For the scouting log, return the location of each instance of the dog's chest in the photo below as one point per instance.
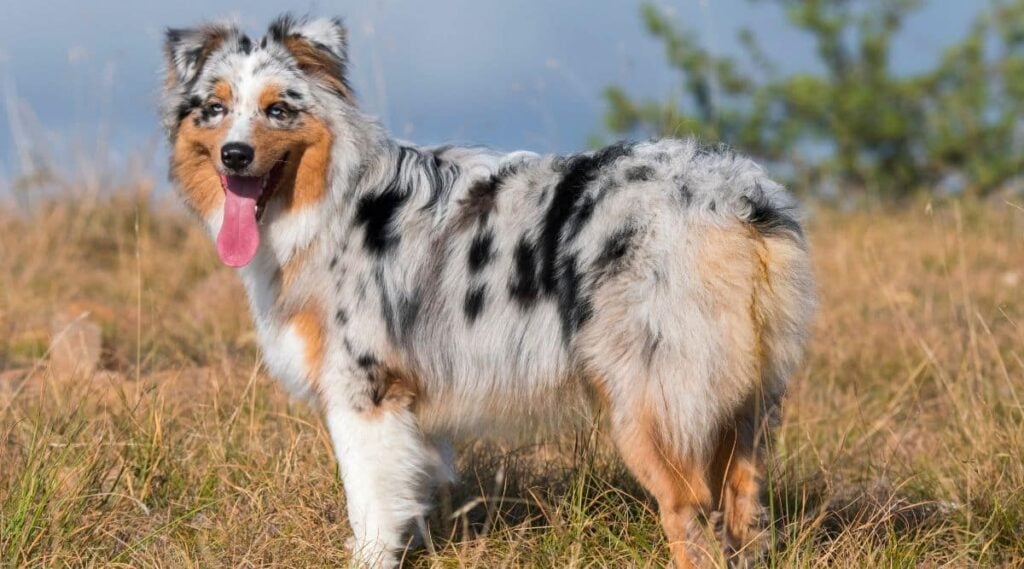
(284, 336)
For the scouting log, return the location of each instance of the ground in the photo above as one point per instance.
(901, 444)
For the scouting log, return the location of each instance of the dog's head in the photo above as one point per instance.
(248, 122)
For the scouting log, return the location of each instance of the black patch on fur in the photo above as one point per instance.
(523, 286)
(768, 219)
(579, 172)
(281, 27)
(375, 213)
(480, 251)
(367, 361)
(640, 174)
(184, 108)
(341, 316)
(481, 199)
(399, 314)
(441, 175)
(245, 45)
(580, 219)
(293, 94)
(574, 305)
(333, 263)
(615, 247)
(474, 303)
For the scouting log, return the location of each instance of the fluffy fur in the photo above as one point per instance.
(422, 294)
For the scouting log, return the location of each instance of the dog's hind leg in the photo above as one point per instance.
(386, 466)
(677, 482)
(736, 484)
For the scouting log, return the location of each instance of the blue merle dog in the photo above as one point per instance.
(422, 294)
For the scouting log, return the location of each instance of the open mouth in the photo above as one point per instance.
(245, 200)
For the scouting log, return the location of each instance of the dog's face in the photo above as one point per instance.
(247, 122)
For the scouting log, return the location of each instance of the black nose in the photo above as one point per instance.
(236, 155)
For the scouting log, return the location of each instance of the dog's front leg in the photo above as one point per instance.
(385, 466)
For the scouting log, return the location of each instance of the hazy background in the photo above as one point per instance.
(524, 74)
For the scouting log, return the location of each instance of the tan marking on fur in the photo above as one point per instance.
(317, 64)
(222, 91)
(193, 164)
(308, 325)
(677, 483)
(304, 181)
(760, 291)
(270, 94)
(736, 487)
(742, 502)
(398, 389)
(728, 266)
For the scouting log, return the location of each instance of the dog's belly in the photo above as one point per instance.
(464, 411)
(511, 382)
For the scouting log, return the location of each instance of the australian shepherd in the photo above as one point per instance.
(419, 294)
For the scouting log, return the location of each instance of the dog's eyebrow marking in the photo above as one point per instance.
(476, 297)
(293, 94)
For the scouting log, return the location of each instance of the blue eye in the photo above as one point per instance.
(215, 109)
(278, 111)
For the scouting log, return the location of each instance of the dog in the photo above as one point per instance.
(419, 295)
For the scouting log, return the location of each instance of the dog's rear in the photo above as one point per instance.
(692, 345)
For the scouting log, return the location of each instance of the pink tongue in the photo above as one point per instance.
(239, 235)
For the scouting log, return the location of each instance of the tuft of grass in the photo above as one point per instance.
(901, 444)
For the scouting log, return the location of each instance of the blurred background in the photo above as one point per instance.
(137, 428)
(844, 98)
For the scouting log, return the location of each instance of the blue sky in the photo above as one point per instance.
(508, 74)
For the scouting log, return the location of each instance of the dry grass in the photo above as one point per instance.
(902, 442)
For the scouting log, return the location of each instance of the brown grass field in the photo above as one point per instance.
(902, 443)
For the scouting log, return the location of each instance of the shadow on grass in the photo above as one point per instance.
(581, 495)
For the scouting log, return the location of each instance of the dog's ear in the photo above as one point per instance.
(186, 50)
(320, 49)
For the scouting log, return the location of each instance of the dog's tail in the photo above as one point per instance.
(783, 296)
